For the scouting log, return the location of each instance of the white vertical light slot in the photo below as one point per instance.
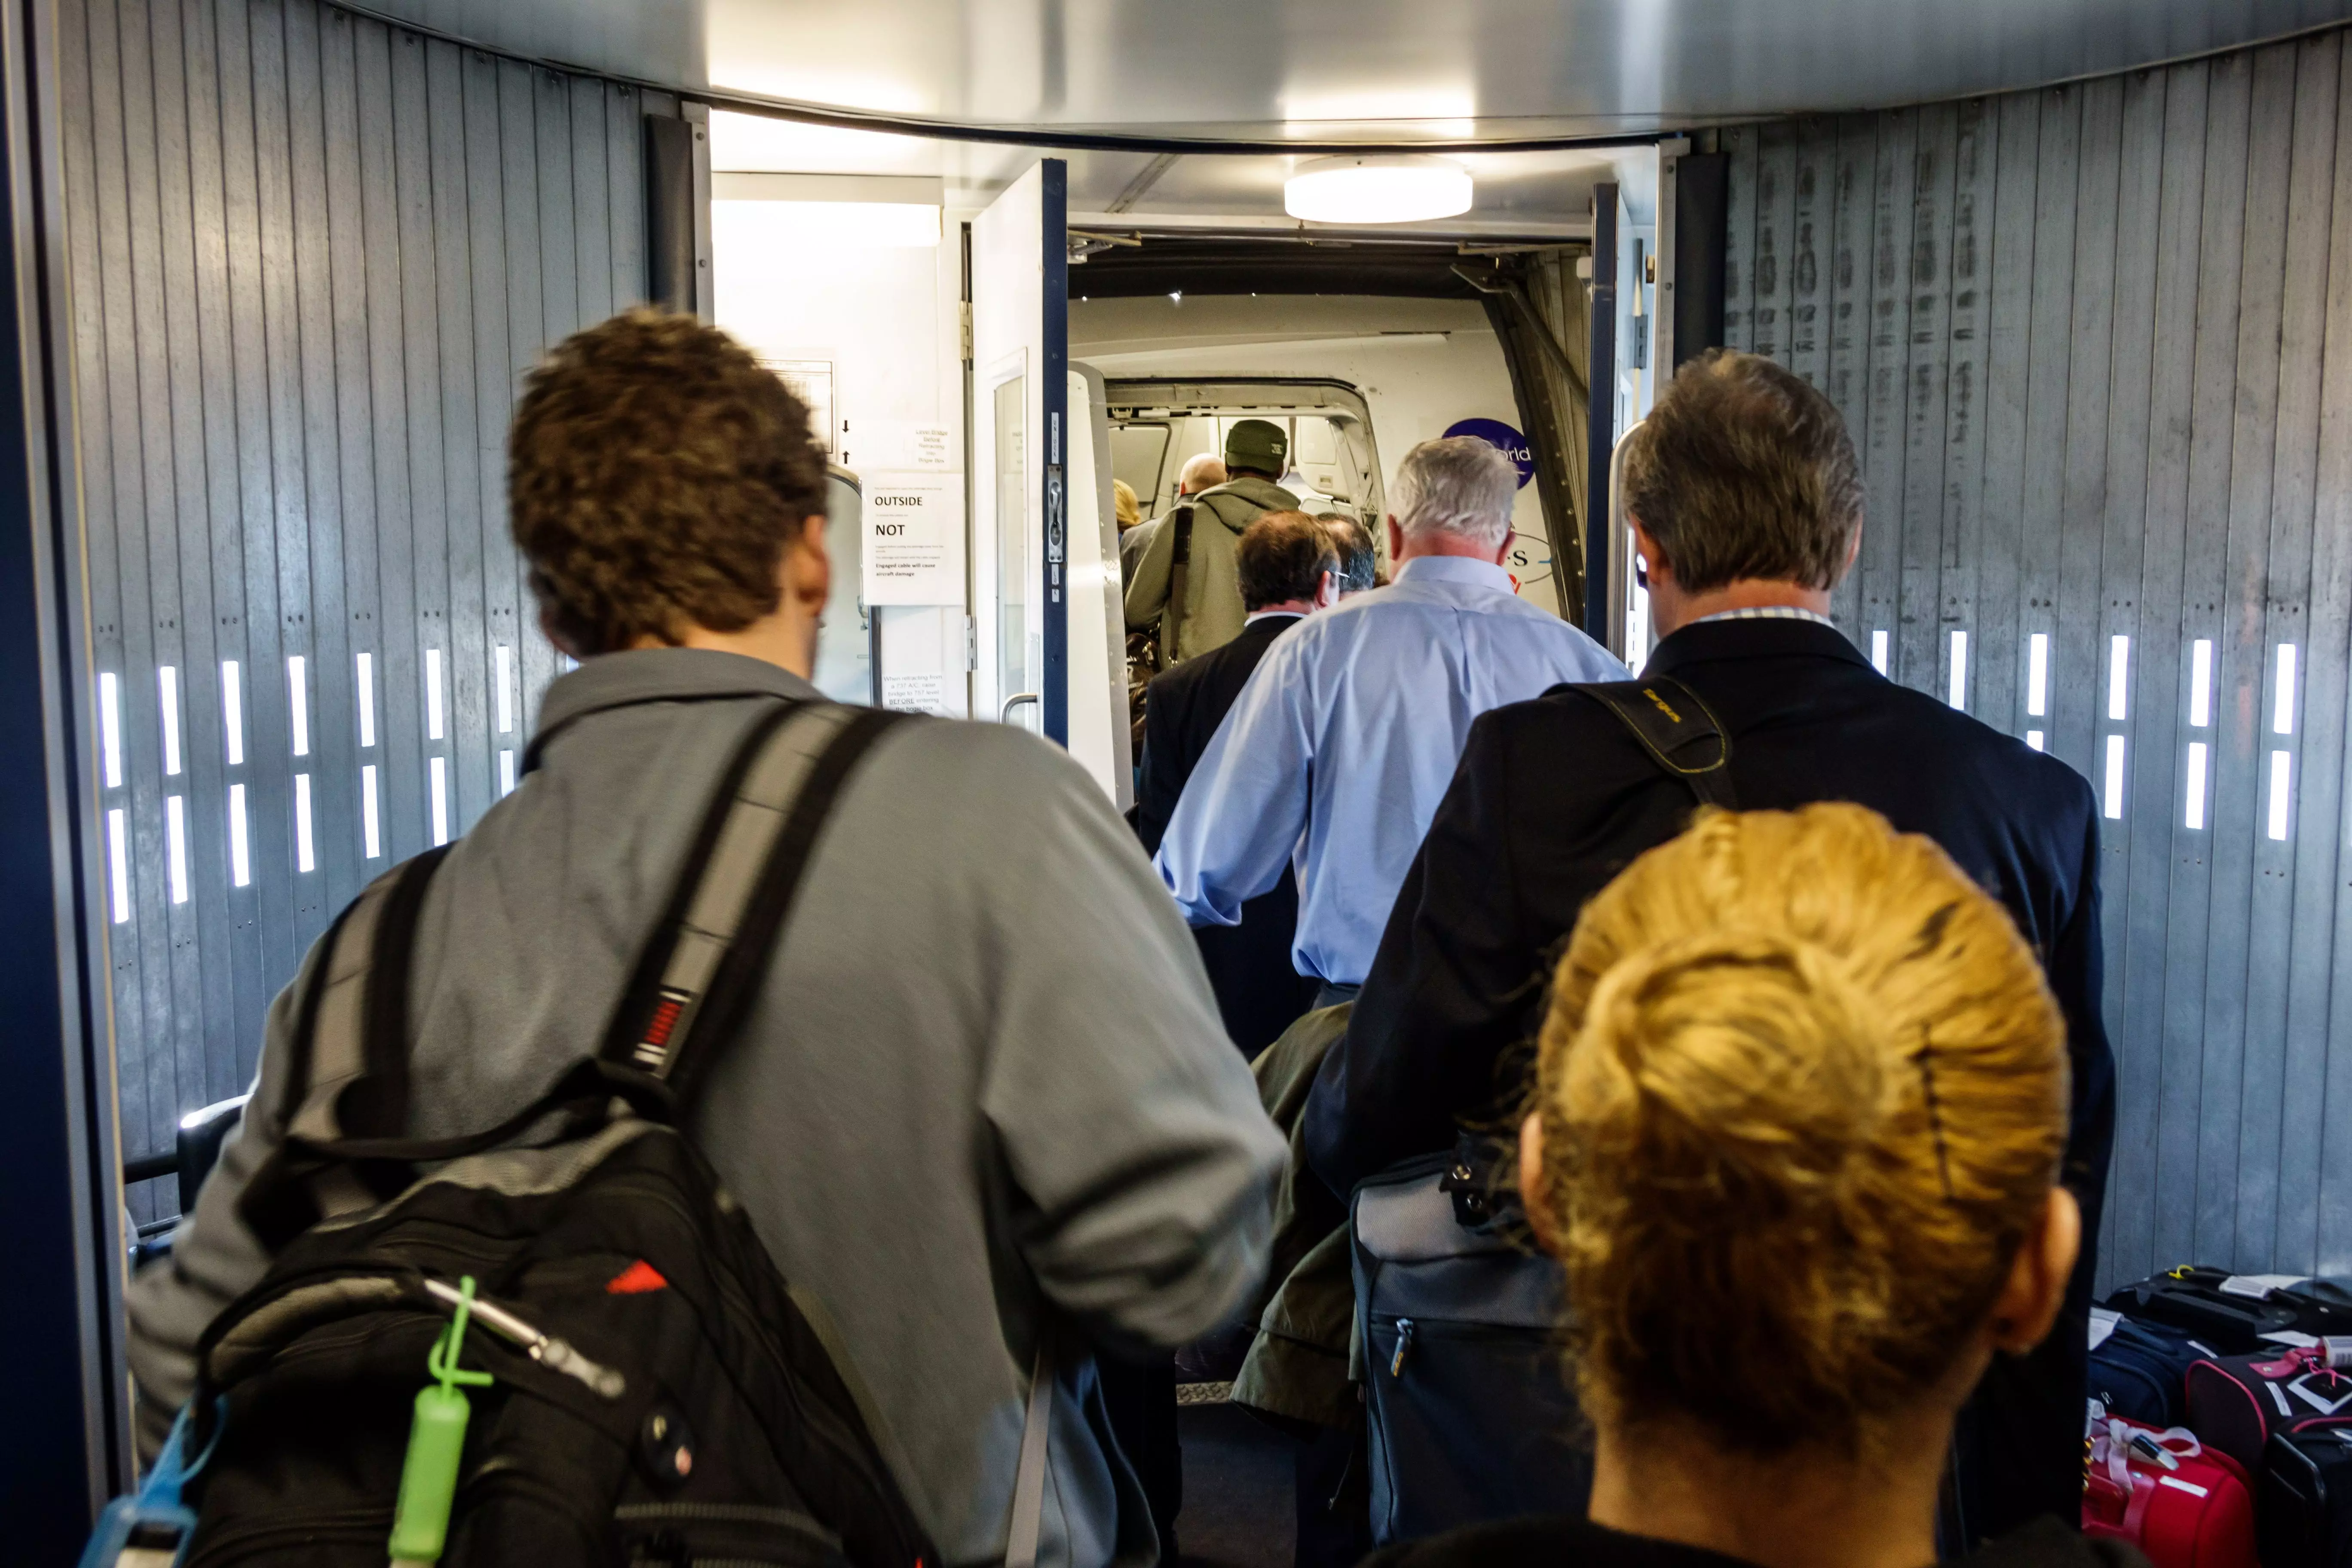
(2282, 703)
(305, 858)
(232, 712)
(110, 729)
(167, 680)
(119, 866)
(440, 801)
(240, 849)
(432, 693)
(1878, 651)
(2037, 675)
(2118, 676)
(2200, 683)
(371, 825)
(505, 773)
(2280, 776)
(367, 700)
(2033, 738)
(176, 843)
(298, 694)
(2194, 815)
(506, 689)
(1959, 693)
(2115, 802)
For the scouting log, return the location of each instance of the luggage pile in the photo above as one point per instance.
(2220, 1423)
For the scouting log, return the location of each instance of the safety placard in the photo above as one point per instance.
(914, 538)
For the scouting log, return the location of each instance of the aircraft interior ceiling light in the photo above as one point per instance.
(1390, 188)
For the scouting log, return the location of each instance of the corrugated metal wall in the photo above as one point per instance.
(2096, 346)
(310, 257)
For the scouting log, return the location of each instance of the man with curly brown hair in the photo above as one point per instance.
(983, 1090)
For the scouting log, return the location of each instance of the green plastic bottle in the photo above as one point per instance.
(436, 1443)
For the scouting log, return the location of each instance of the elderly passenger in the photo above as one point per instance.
(1342, 743)
(1202, 472)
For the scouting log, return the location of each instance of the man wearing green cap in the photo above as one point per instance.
(1187, 579)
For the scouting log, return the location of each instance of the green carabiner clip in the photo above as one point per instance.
(436, 1442)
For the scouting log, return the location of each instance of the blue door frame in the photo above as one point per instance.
(61, 1445)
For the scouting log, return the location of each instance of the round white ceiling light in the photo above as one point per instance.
(1377, 188)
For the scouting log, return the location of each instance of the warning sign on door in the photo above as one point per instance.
(914, 539)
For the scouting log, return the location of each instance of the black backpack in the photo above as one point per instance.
(657, 1392)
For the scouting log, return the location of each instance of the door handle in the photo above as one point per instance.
(1004, 715)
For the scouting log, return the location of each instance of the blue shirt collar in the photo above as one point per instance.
(1455, 569)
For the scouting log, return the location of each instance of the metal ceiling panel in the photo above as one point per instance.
(1373, 68)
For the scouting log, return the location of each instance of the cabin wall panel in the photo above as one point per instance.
(1974, 151)
(2094, 347)
(1926, 360)
(311, 256)
(2332, 607)
(2147, 912)
(1852, 210)
(2307, 900)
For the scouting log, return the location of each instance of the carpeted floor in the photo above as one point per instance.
(1238, 1507)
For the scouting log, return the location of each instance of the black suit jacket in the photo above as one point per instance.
(1553, 798)
(1259, 991)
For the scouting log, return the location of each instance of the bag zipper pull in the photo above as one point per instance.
(437, 1441)
(554, 1353)
(1404, 1344)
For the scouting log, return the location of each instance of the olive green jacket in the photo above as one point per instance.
(1297, 1367)
(1212, 613)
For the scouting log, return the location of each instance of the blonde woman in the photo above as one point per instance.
(1795, 1139)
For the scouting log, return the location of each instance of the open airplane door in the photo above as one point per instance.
(1038, 516)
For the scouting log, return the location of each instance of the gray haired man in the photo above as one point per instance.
(1340, 748)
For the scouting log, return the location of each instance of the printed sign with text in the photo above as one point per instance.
(914, 538)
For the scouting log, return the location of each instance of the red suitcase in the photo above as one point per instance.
(2182, 1504)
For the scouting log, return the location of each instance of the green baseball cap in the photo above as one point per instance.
(1257, 444)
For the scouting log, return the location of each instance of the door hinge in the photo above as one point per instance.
(970, 645)
(963, 311)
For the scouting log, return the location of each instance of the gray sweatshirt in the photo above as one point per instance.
(986, 1085)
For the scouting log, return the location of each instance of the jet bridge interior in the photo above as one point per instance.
(2078, 272)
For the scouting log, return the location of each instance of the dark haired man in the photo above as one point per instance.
(1746, 501)
(1287, 570)
(1360, 561)
(918, 1113)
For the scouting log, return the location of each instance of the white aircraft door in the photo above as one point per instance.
(1033, 482)
(1099, 734)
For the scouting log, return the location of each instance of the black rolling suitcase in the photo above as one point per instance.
(2306, 1510)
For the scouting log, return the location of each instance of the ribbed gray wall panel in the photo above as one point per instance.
(311, 256)
(2096, 348)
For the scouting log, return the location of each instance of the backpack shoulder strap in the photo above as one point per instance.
(1679, 731)
(1179, 570)
(345, 1146)
(1028, 1521)
(706, 960)
(347, 1074)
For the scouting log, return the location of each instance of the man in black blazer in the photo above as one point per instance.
(1746, 501)
(1290, 568)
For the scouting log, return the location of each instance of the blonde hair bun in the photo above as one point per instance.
(1802, 1089)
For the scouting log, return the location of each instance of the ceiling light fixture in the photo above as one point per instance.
(1377, 188)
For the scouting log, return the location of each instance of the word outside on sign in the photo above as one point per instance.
(914, 538)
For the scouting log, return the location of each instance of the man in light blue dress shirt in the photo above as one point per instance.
(1337, 752)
